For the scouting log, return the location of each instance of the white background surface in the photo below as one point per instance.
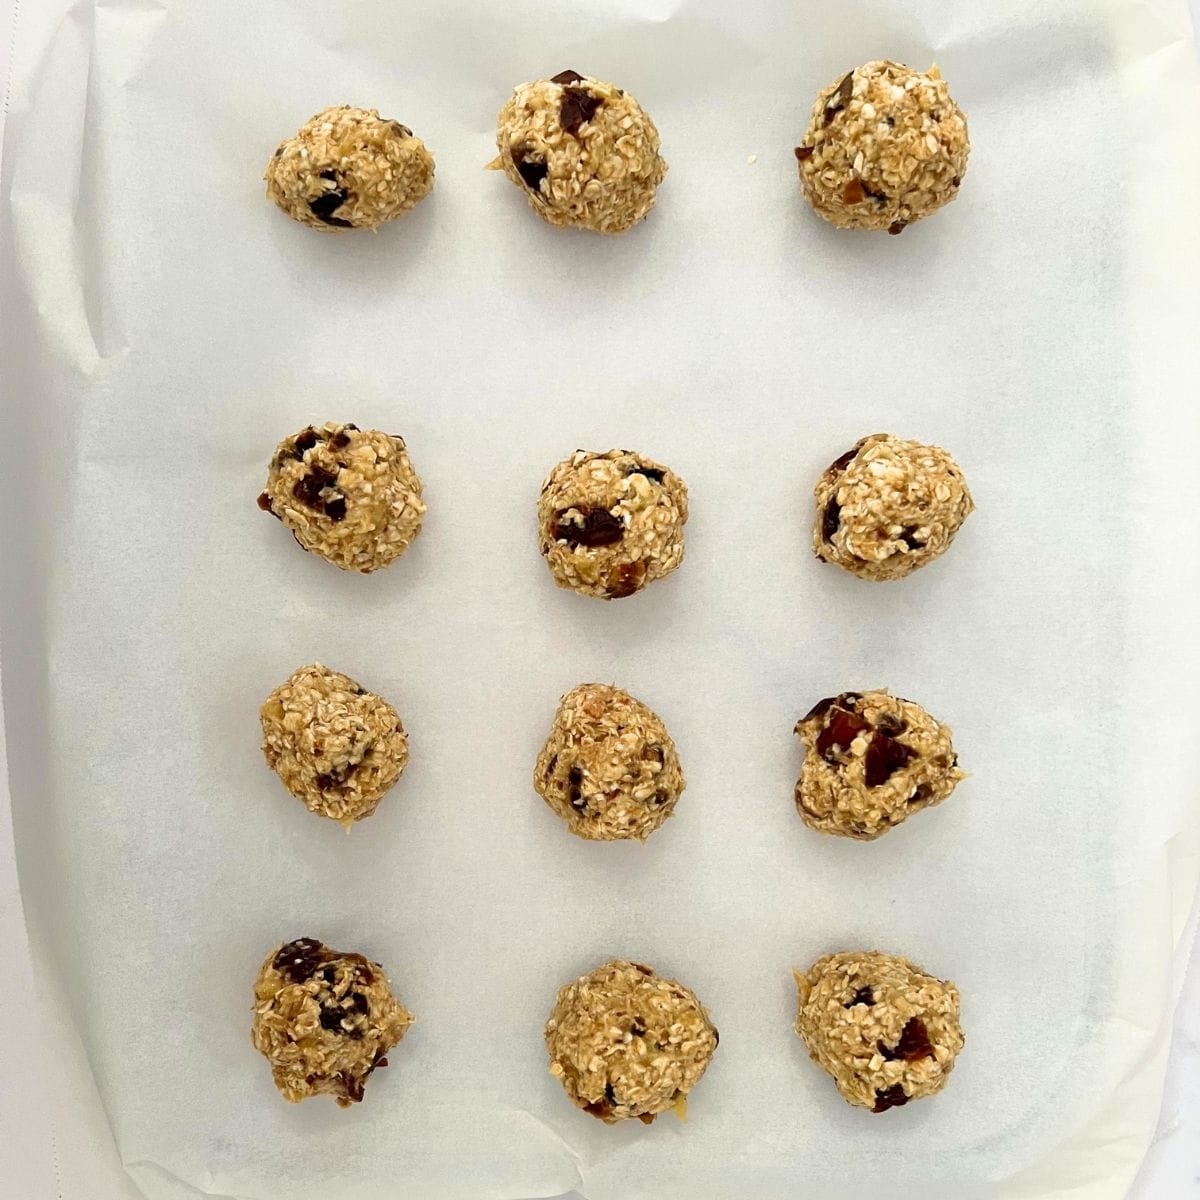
(217, 315)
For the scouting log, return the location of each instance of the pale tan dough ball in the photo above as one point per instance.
(625, 1043)
(336, 747)
(889, 506)
(324, 1019)
(583, 151)
(871, 760)
(609, 767)
(883, 1029)
(611, 523)
(886, 146)
(349, 168)
(347, 494)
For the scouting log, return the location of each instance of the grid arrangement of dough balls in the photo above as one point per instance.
(885, 146)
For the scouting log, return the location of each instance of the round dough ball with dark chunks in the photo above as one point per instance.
(625, 1043)
(324, 1019)
(349, 168)
(336, 746)
(611, 523)
(348, 494)
(609, 767)
(885, 147)
(870, 761)
(884, 1030)
(889, 506)
(584, 152)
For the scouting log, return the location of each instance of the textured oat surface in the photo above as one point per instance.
(349, 168)
(336, 746)
(611, 523)
(626, 1043)
(870, 761)
(609, 767)
(348, 494)
(324, 1020)
(885, 147)
(889, 506)
(887, 1032)
(584, 152)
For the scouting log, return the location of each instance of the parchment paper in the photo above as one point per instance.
(165, 326)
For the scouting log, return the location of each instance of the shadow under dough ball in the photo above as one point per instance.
(885, 1031)
(885, 146)
(625, 1043)
(870, 761)
(347, 494)
(611, 523)
(336, 747)
(349, 168)
(888, 506)
(324, 1019)
(609, 767)
(584, 152)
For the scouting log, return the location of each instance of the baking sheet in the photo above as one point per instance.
(167, 327)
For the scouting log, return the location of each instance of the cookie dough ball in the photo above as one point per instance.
(347, 494)
(887, 1032)
(889, 506)
(885, 147)
(625, 1043)
(583, 151)
(611, 523)
(349, 168)
(336, 746)
(609, 767)
(324, 1020)
(870, 761)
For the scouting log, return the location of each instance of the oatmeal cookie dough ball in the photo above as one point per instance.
(609, 767)
(625, 1043)
(870, 761)
(887, 1032)
(889, 506)
(885, 147)
(336, 746)
(324, 1019)
(610, 523)
(348, 494)
(349, 168)
(583, 151)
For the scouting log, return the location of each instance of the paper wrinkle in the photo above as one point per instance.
(58, 242)
(524, 1116)
(183, 1187)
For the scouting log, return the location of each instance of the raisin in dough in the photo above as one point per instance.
(625, 1043)
(870, 761)
(336, 746)
(348, 494)
(349, 168)
(609, 767)
(610, 523)
(584, 152)
(324, 1020)
(889, 506)
(884, 1030)
(885, 147)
